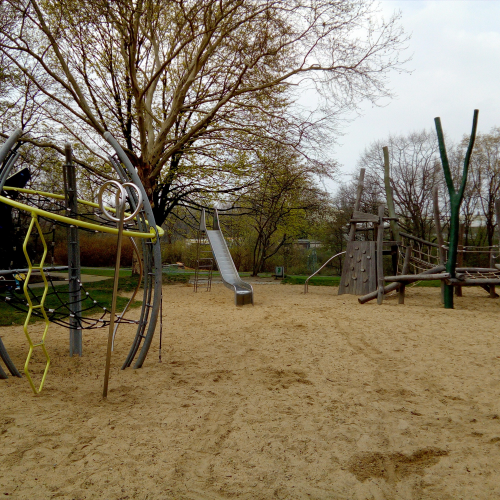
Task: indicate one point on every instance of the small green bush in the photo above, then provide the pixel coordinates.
(96, 250)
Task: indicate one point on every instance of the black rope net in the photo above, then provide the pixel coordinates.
(14, 223)
(472, 274)
(59, 308)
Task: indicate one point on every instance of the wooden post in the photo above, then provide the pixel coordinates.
(497, 212)
(380, 254)
(389, 193)
(460, 256)
(456, 198)
(357, 203)
(439, 234)
(493, 293)
(406, 265)
(390, 196)
(492, 255)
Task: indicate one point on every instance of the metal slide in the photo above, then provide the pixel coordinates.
(243, 292)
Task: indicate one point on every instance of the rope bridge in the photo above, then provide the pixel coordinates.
(422, 260)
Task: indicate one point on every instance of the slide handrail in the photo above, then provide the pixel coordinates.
(306, 284)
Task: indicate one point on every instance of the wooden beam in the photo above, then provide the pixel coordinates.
(357, 203)
(477, 269)
(473, 282)
(406, 265)
(389, 196)
(409, 278)
(364, 217)
(420, 240)
(380, 255)
(395, 286)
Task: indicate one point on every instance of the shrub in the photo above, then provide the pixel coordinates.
(96, 250)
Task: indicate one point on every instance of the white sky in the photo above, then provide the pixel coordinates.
(455, 49)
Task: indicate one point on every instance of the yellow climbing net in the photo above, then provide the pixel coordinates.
(31, 307)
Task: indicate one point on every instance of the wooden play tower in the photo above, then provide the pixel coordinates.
(363, 263)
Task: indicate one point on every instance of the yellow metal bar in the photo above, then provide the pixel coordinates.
(36, 191)
(53, 196)
(34, 222)
(161, 232)
(87, 225)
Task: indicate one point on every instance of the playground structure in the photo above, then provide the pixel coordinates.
(421, 260)
(243, 292)
(413, 259)
(63, 210)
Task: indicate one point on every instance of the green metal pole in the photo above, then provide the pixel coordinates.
(456, 198)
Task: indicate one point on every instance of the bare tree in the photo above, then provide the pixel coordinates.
(413, 159)
(183, 84)
(485, 179)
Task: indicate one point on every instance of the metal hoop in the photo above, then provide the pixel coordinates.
(121, 197)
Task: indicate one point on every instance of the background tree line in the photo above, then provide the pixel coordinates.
(416, 169)
(272, 220)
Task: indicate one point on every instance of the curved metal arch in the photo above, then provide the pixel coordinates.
(4, 151)
(156, 250)
(147, 263)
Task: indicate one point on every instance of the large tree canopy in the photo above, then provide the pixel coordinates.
(183, 85)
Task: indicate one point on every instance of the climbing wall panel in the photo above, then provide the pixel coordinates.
(359, 274)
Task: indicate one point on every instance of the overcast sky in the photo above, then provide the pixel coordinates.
(455, 49)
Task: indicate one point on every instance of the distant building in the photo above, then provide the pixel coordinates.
(307, 244)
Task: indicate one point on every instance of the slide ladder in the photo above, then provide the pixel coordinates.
(243, 292)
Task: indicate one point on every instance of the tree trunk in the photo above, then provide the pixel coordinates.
(456, 198)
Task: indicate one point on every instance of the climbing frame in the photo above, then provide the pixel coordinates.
(359, 273)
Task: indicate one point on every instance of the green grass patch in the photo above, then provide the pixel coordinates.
(174, 279)
(127, 281)
(315, 281)
(106, 271)
(10, 316)
(432, 284)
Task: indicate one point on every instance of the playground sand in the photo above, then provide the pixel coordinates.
(301, 396)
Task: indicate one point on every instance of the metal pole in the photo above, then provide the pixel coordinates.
(120, 201)
(156, 253)
(120, 207)
(74, 269)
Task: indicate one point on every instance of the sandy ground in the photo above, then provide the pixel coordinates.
(301, 396)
